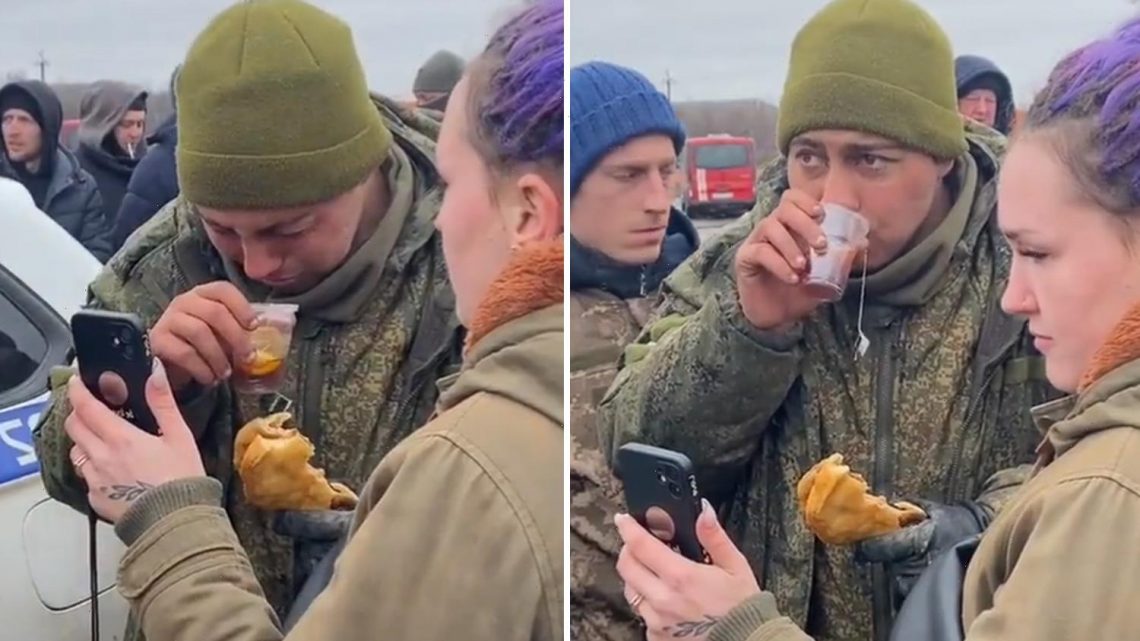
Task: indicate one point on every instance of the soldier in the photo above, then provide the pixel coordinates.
(300, 188)
(758, 380)
(459, 531)
(625, 239)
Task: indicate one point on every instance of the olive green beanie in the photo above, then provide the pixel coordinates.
(882, 67)
(274, 110)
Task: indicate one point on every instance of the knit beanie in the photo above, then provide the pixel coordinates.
(15, 97)
(439, 74)
(609, 106)
(882, 67)
(274, 111)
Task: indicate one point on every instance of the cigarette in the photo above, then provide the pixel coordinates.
(131, 150)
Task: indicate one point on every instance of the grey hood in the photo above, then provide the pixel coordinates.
(102, 108)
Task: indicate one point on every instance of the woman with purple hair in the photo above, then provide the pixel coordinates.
(1060, 562)
(459, 532)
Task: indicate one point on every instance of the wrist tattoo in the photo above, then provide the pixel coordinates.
(687, 629)
(127, 493)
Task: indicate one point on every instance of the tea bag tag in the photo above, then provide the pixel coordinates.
(280, 403)
(863, 344)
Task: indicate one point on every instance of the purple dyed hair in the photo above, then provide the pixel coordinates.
(1090, 110)
(516, 90)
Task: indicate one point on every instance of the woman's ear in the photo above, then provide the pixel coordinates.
(538, 209)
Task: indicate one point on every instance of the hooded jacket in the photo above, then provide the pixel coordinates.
(439, 75)
(974, 72)
(1060, 561)
(100, 111)
(609, 304)
(70, 195)
(153, 183)
(370, 341)
(937, 408)
(458, 534)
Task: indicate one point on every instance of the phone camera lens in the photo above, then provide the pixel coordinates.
(661, 479)
(675, 489)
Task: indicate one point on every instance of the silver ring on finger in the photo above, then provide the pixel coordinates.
(80, 460)
(636, 601)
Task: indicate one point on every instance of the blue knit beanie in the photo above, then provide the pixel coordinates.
(609, 106)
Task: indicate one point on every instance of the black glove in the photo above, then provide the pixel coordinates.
(315, 533)
(910, 550)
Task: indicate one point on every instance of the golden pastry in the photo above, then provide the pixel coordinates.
(272, 458)
(838, 507)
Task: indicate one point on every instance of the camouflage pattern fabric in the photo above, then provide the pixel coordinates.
(601, 324)
(937, 409)
(356, 388)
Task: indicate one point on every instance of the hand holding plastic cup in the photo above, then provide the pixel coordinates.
(846, 233)
(265, 371)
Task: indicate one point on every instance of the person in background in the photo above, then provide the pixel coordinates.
(1055, 563)
(30, 119)
(756, 379)
(984, 93)
(337, 219)
(112, 126)
(625, 238)
(459, 532)
(154, 181)
(435, 81)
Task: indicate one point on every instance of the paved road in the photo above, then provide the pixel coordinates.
(710, 227)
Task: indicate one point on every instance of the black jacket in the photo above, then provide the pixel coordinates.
(591, 270)
(74, 203)
(101, 110)
(153, 185)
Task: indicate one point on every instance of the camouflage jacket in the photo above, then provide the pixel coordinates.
(937, 409)
(358, 388)
(601, 325)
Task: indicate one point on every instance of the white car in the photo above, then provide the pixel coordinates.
(45, 589)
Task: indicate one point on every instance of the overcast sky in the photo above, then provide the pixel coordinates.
(716, 49)
(142, 40)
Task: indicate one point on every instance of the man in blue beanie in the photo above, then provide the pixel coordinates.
(625, 238)
(984, 92)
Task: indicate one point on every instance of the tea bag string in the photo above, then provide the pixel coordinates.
(863, 342)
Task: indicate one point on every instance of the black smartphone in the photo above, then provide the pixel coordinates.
(661, 493)
(115, 362)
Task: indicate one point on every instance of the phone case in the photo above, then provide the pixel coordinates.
(116, 343)
(663, 479)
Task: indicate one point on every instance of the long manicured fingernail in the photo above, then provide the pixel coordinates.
(158, 371)
(820, 242)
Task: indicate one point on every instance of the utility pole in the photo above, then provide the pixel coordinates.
(668, 86)
(42, 63)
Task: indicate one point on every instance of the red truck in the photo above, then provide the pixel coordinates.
(720, 173)
(69, 134)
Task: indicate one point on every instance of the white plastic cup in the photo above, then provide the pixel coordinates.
(270, 342)
(846, 233)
